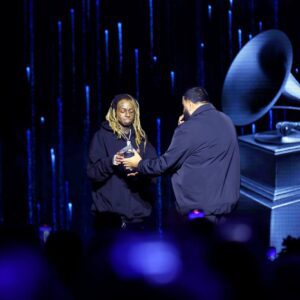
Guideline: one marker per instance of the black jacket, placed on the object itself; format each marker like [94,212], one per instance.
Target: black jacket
[112,190]
[204,159]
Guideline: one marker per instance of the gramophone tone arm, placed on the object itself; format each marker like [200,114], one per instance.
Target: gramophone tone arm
[285,128]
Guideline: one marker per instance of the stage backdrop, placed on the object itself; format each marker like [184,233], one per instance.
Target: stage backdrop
[72,57]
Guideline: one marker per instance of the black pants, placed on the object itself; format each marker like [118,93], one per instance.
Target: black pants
[114,221]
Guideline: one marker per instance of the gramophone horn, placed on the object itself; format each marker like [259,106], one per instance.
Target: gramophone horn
[258,76]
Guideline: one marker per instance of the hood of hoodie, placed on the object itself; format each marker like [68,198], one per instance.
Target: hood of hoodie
[105,125]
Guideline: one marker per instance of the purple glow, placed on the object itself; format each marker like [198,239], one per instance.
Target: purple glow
[69,205]
[201,69]
[196,214]
[70,211]
[87,103]
[22,273]
[272,253]
[52,159]
[120,40]
[53,171]
[172,79]
[240,36]
[28,73]
[106,42]
[271,119]
[155,260]
[151,25]
[60,59]
[236,232]
[209,9]
[230,34]
[44,232]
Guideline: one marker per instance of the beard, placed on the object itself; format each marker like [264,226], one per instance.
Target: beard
[186,115]
[126,122]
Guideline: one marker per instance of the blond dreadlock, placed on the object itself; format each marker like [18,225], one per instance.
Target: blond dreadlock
[111,117]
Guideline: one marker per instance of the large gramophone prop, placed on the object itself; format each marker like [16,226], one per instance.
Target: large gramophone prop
[260,75]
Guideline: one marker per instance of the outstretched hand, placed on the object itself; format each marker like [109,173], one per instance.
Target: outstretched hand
[132,162]
[132,174]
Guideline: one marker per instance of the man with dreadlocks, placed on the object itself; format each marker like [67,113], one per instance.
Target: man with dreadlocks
[119,199]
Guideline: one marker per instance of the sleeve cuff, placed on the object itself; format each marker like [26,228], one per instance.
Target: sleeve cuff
[139,167]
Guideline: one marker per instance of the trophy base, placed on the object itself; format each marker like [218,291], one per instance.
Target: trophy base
[270,187]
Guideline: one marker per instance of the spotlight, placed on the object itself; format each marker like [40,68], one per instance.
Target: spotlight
[155,260]
[44,231]
[196,214]
[271,253]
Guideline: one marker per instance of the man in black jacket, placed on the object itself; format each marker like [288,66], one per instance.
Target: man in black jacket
[119,199]
[203,157]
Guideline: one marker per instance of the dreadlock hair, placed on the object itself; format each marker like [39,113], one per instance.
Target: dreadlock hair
[111,117]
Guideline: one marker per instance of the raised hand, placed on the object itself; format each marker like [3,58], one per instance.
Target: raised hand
[118,158]
[181,119]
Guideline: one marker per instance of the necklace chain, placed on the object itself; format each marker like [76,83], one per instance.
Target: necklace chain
[124,135]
